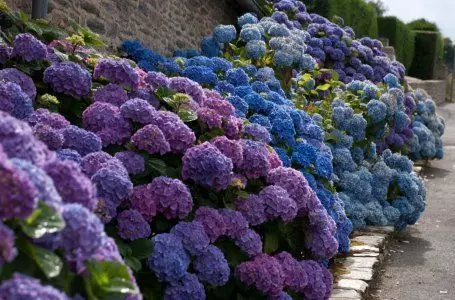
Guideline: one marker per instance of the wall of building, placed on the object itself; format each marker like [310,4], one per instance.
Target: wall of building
[162,25]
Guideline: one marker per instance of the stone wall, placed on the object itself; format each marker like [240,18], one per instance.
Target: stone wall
[435,88]
[163,25]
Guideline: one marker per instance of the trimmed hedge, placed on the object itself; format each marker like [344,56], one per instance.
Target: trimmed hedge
[426,48]
[400,37]
[358,14]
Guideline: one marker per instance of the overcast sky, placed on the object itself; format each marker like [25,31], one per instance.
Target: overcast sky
[440,11]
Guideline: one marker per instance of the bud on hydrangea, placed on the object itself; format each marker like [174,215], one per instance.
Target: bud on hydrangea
[29,48]
[207,166]
[68,78]
[132,226]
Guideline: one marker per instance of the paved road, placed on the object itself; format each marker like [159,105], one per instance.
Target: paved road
[422,261]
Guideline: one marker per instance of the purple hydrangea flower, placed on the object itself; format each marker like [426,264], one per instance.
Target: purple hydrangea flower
[44,116]
[179,136]
[83,233]
[72,185]
[105,120]
[48,135]
[5,53]
[211,266]
[27,288]
[188,287]
[249,242]
[142,200]
[264,272]
[168,260]
[112,94]
[151,139]
[207,166]
[19,197]
[257,133]
[193,236]
[106,210]
[212,221]
[157,79]
[146,95]
[189,87]
[68,78]
[230,148]
[69,154]
[29,48]
[8,250]
[94,161]
[112,184]
[278,204]
[255,159]
[14,101]
[107,251]
[253,208]
[235,222]
[138,110]
[232,127]
[117,71]
[172,197]
[21,79]
[319,283]
[295,184]
[134,163]
[221,106]
[81,140]
[295,275]
[132,226]
[209,117]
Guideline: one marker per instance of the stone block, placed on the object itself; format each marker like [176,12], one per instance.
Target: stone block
[374,240]
[365,274]
[352,284]
[359,262]
[341,294]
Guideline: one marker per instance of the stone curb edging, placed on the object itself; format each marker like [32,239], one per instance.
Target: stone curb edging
[354,272]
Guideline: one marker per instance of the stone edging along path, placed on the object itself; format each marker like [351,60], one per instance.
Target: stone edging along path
[354,272]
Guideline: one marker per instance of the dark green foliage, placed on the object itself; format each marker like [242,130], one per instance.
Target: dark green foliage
[358,14]
[400,37]
[425,54]
[423,25]
[448,53]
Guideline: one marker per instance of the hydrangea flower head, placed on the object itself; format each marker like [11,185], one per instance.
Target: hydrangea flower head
[252,208]
[224,33]
[211,266]
[29,48]
[111,93]
[132,226]
[212,221]
[117,71]
[172,197]
[21,79]
[249,242]
[188,287]
[194,238]
[235,222]
[68,78]
[8,250]
[278,204]
[14,100]
[24,287]
[134,163]
[151,139]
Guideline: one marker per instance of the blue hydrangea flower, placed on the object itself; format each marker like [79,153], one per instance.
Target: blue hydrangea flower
[211,266]
[224,33]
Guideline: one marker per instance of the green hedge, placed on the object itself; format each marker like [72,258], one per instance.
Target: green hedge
[358,14]
[400,37]
[426,48]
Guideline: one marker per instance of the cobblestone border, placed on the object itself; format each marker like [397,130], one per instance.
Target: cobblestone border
[354,272]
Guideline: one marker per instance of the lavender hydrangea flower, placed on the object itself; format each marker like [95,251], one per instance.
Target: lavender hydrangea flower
[94,161]
[44,116]
[157,79]
[252,208]
[168,260]
[132,226]
[21,79]
[117,71]
[230,148]
[194,238]
[179,136]
[8,250]
[257,133]
[142,200]
[112,184]
[138,110]
[68,78]
[151,139]
[212,221]
[81,140]
[211,266]
[69,154]
[147,95]
[83,233]
[249,242]
[20,196]
[14,101]
[134,163]
[172,197]
[48,135]
[72,185]
[209,117]
[278,204]
[295,275]
[24,287]
[5,53]
[207,166]
[264,272]
[105,120]
[255,159]
[29,48]
[235,222]
[319,283]
[112,94]
[188,287]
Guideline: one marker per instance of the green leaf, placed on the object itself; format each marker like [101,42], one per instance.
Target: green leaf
[125,249]
[142,248]
[108,279]
[323,87]
[271,242]
[49,262]
[44,220]
[163,92]
[133,263]
[187,115]
[157,165]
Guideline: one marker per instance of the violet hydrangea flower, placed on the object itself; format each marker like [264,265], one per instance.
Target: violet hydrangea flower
[24,287]
[134,163]
[235,222]
[112,94]
[249,242]
[207,166]
[8,250]
[46,117]
[48,135]
[230,148]
[21,79]
[81,140]
[172,197]
[295,275]
[188,287]
[68,78]
[194,238]
[212,221]
[278,204]
[117,71]
[14,101]
[142,200]
[151,139]
[132,226]
[252,208]
[211,266]
[138,110]
[255,159]
[29,48]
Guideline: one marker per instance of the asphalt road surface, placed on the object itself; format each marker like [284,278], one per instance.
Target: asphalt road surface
[421,262]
